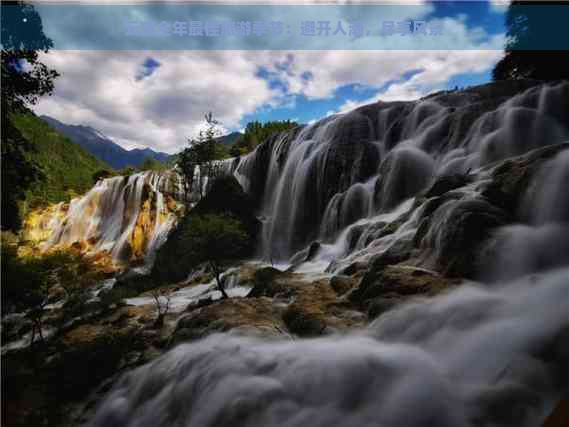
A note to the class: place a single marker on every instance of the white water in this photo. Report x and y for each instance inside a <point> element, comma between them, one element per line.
<point>104,219</point>
<point>181,299</point>
<point>353,166</point>
<point>476,354</point>
<point>489,354</point>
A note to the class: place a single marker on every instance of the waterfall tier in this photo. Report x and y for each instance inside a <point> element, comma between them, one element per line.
<point>126,218</point>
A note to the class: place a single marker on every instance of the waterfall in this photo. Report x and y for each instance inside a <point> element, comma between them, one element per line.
<point>492,352</point>
<point>313,182</point>
<point>473,357</point>
<point>126,218</point>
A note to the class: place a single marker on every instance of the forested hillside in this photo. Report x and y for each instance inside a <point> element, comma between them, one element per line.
<point>68,168</point>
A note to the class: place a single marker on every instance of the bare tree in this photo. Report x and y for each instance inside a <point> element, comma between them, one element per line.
<point>162,302</point>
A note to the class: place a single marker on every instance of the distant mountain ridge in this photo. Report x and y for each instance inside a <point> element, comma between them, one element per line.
<point>103,147</point>
<point>67,167</point>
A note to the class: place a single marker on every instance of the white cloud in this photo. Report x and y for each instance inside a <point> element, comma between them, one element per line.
<point>499,6</point>
<point>100,89</point>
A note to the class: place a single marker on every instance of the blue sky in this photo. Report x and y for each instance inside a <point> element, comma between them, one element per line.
<point>475,14</point>
<point>156,98</point>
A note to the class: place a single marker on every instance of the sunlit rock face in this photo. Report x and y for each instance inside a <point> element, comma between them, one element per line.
<point>121,218</point>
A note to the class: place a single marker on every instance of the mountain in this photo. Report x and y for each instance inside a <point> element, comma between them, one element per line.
<point>104,148</point>
<point>68,168</point>
<point>229,139</point>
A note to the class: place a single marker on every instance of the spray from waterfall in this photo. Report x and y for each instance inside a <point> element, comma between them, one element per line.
<point>490,353</point>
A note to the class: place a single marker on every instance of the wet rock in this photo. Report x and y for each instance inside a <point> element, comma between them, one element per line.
<point>342,284</point>
<point>402,174</point>
<point>396,282</point>
<point>304,322</point>
<point>377,306</point>
<point>266,283</point>
<point>316,310</point>
<point>228,314</point>
<point>455,233</point>
<point>353,269</point>
<point>511,178</point>
<point>447,183</point>
<point>135,282</point>
<point>305,255</point>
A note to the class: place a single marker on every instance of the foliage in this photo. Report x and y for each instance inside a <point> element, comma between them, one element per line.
<point>23,80</point>
<point>531,26</point>
<point>225,197</point>
<point>201,154</point>
<point>216,240</point>
<point>127,171</point>
<point>24,77</point>
<point>18,173</point>
<point>67,168</point>
<point>22,281</point>
<point>24,277</point>
<point>256,133</point>
<point>151,164</point>
<point>102,174</point>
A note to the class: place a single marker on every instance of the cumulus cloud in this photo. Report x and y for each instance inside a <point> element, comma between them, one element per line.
<point>158,98</point>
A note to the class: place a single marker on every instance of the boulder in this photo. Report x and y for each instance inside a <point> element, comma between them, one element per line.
<point>252,313</point>
<point>316,310</point>
<point>342,284</point>
<point>385,286</point>
<point>135,282</point>
<point>266,283</point>
<point>447,183</point>
<point>511,178</point>
<point>453,237</point>
<point>305,255</point>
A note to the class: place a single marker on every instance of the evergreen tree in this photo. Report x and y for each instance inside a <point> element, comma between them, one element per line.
<point>200,155</point>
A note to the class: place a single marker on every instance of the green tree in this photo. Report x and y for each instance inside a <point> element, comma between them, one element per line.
<point>201,155</point>
<point>216,240</point>
<point>102,174</point>
<point>24,80</point>
<point>531,26</point>
<point>26,285</point>
<point>151,164</point>
<point>127,171</point>
<point>256,133</point>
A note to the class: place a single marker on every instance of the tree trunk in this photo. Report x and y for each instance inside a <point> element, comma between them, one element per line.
<point>218,280</point>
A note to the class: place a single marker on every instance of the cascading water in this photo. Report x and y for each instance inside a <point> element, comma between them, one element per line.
<point>492,352</point>
<point>126,217</point>
<point>314,182</point>
<point>473,358</point>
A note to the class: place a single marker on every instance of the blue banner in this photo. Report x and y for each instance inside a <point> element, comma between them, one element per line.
<point>164,26</point>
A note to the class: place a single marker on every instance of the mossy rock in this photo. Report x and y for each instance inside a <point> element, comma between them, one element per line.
<point>266,283</point>
<point>511,178</point>
<point>226,315</point>
<point>398,281</point>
